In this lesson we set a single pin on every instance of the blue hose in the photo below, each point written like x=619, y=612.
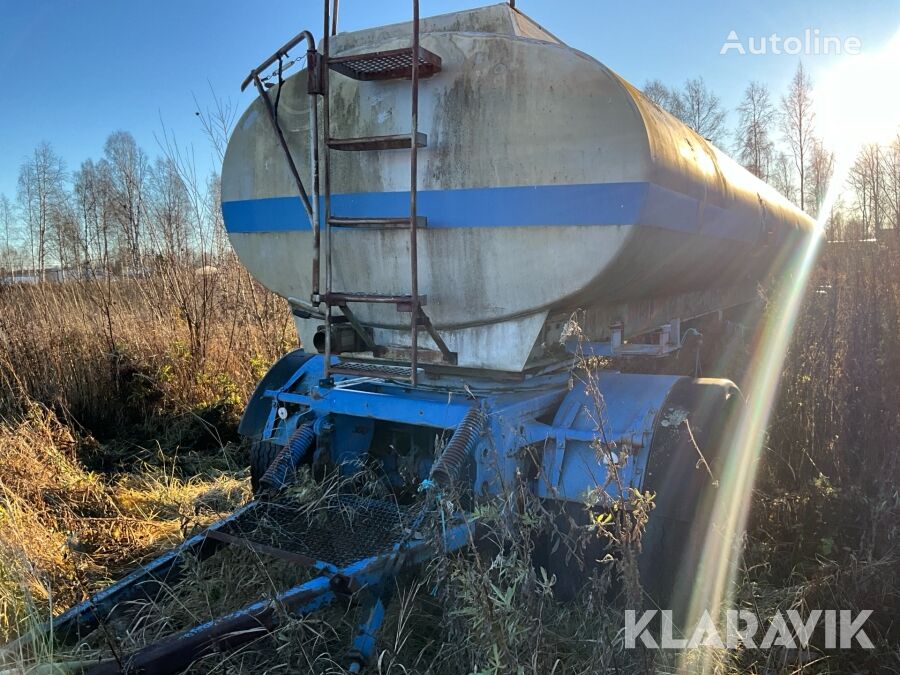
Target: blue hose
x=288, y=458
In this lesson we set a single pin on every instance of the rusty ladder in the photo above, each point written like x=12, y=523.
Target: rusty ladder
x=409, y=62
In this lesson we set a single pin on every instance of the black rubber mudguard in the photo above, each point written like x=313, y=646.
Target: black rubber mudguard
x=257, y=411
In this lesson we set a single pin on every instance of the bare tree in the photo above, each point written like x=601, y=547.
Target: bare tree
x=820, y=170
x=754, y=144
x=220, y=245
x=96, y=208
x=128, y=174
x=217, y=121
x=65, y=232
x=797, y=119
x=191, y=279
x=663, y=96
x=867, y=180
x=701, y=109
x=170, y=208
x=781, y=176
x=892, y=173
x=7, y=232
x=695, y=105
x=40, y=190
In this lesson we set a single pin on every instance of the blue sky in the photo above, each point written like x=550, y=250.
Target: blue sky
x=74, y=71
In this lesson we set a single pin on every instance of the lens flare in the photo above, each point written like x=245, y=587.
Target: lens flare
x=859, y=103
x=858, y=100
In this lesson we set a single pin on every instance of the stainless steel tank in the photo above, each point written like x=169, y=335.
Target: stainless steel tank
x=549, y=184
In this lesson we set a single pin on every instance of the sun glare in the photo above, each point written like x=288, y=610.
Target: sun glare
x=858, y=103
x=858, y=100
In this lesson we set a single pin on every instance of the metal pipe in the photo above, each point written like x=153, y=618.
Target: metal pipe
x=166, y=569
x=314, y=168
x=364, y=642
x=178, y=652
x=284, y=145
x=281, y=53
x=334, y=18
x=413, y=182
x=311, y=206
x=326, y=133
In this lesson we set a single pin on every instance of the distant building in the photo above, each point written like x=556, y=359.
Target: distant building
x=33, y=276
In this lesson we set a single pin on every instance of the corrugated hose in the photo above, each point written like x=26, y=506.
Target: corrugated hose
x=446, y=469
x=288, y=458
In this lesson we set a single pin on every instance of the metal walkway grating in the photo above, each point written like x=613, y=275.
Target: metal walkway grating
x=371, y=370
x=339, y=530
x=386, y=65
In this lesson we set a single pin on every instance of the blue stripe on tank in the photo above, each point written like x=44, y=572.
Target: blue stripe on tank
x=540, y=205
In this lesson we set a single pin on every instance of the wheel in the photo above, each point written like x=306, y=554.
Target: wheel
x=262, y=454
x=683, y=470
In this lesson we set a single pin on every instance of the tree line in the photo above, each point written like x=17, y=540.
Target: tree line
x=124, y=213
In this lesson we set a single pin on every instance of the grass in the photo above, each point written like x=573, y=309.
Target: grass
x=118, y=409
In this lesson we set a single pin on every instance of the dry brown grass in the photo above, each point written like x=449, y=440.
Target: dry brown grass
x=116, y=436
x=104, y=352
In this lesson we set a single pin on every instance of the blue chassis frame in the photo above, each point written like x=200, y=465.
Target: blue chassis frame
x=598, y=420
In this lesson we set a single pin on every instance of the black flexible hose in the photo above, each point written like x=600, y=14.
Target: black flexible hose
x=288, y=458
x=446, y=469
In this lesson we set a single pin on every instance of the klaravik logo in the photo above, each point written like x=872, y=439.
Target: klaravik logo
x=811, y=43
x=742, y=628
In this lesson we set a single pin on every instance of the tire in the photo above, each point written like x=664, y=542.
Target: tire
x=681, y=525
x=262, y=454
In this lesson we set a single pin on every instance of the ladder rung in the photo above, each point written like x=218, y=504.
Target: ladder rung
x=392, y=142
x=340, y=221
x=391, y=64
x=403, y=302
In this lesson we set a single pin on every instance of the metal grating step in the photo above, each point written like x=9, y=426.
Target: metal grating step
x=338, y=530
x=392, y=64
x=372, y=370
x=390, y=142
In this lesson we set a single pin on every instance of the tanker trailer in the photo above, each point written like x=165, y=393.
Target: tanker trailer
x=436, y=200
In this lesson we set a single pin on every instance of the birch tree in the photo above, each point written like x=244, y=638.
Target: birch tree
x=754, y=143
x=7, y=232
x=700, y=109
x=797, y=120
x=40, y=191
x=128, y=176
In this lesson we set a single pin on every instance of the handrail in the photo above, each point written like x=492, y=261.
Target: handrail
x=281, y=53
x=311, y=206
